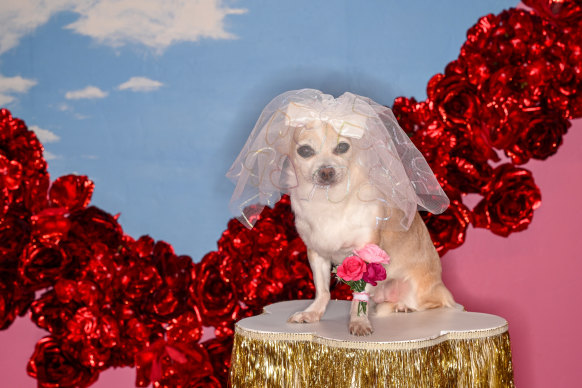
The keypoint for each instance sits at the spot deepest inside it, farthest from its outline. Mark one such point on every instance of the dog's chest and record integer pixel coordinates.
(335, 230)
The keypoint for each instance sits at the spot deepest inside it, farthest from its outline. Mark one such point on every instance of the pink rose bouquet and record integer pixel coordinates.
(364, 267)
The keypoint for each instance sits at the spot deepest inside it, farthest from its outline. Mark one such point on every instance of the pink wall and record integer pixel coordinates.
(532, 279)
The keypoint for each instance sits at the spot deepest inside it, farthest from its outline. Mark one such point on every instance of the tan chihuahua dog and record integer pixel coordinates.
(333, 221)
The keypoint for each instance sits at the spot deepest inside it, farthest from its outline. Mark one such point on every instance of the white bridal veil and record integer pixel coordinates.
(397, 171)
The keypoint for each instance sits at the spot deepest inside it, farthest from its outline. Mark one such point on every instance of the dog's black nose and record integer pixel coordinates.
(326, 174)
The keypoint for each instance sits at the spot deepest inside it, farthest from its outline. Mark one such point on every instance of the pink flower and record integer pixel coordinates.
(372, 253)
(352, 268)
(375, 272)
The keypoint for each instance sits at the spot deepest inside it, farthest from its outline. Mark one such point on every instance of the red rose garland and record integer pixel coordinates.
(108, 300)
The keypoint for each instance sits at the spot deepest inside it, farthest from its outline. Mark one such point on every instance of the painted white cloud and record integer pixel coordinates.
(140, 84)
(153, 23)
(19, 18)
(44, 135)
(90, 92)
(13, 85)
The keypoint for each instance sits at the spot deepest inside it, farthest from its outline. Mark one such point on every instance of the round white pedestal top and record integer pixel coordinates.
(396, 331)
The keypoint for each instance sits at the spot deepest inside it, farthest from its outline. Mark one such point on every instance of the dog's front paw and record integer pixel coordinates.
(361, 327)
(305, 317)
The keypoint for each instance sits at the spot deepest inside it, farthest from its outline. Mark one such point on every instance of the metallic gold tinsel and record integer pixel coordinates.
(272, 362)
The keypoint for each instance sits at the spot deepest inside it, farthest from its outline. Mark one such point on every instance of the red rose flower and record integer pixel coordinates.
(564, 13)
(171, 365)
(48, 313)
(95, 225)
(539, 136)
(468, 176)
(220, 357)
(139, 280)
(10, 173)
(508, 201)
(14, 235)
(340, 290)
(185, 329)
(213, 294)
(14, 298)
(455, 99)
(40, 266)
(50, 226)
(448, 229)
(71, 192)
(54, 368)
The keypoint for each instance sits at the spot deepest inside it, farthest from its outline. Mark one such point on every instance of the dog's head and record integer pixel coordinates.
(321, 156)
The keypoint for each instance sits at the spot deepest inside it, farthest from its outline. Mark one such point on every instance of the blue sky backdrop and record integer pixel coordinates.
(153, 100)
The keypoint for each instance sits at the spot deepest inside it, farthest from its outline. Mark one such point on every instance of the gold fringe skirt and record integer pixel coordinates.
(474, 358)
(479, 362)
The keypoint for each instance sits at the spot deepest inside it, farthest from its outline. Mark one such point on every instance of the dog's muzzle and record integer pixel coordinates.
(325, 175)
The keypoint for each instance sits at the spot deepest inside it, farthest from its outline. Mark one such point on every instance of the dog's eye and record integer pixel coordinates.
(341, 148)
(305, 151)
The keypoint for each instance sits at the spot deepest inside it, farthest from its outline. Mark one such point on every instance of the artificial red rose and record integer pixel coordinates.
(436, 142)
(14, 235)
(237, 241)
(171, 364)
(341, 291)
(562, 12)
(539, 137)
(455, 99)
(468, 176)
(95, 225)
(215, 296)
(9, 126)
(26, 149)
(108, 331)
(207, 382)
(139, 280)
(285, 217)
(508, 201)
(412, 116)
(10, 173)
(448, 229)
(502, 89)
(65, 290)
(40, 266)
(176, 271)
(144, 246)
(71, 192)
(351, 269)
(48, 313)
(166, 303)
(477, 35)
(50, 226)
(35, 192)
(14, 298)
(101, 267)
(83, 326)
(375, 272)
(54, 368)
(186, 328)
(220, 352)
(89, 294)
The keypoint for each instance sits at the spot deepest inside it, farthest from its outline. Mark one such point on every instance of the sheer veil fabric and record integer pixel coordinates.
(396, 175)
